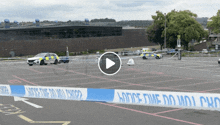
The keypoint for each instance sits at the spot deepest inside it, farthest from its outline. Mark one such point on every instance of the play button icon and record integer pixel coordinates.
(109, 63)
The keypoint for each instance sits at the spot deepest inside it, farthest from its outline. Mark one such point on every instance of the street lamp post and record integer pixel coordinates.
(165, 33)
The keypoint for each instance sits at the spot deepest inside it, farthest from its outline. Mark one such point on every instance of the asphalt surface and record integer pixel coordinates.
(191, 74)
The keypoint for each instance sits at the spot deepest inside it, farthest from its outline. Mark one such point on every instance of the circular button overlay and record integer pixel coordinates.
(109, 63)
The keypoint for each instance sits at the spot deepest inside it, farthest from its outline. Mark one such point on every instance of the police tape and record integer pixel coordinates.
(203, 101)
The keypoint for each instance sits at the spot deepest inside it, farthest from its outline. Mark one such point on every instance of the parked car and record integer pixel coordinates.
(43, 59)
(212, 50)
(171, 51)
(147, 55)
(205, 51)
(127, 52)
(64, 59)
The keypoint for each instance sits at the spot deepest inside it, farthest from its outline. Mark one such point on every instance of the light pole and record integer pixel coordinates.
(165, 32)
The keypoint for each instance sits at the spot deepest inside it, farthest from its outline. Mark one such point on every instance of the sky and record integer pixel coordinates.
(64, 10)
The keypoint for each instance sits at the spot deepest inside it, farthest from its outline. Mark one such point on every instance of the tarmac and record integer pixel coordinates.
(190, 74)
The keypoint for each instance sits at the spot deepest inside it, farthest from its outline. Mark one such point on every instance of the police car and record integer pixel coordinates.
(146, 55)
(43, 59)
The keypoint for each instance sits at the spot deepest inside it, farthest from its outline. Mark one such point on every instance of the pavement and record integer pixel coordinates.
(191, 74)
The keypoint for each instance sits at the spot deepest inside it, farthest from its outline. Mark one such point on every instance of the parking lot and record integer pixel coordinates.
(191, 74)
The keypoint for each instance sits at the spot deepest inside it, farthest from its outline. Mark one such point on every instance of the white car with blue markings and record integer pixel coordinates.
(43, 59)
(146, 55)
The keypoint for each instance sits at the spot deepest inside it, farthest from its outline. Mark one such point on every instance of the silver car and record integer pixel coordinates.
(43, 59)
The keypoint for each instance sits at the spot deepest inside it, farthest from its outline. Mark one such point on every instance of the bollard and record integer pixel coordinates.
(179, 54)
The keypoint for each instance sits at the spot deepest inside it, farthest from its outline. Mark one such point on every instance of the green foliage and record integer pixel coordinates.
(103, 20)
(177, 23)
(61, 53)
(183, 23)
(101, 51)
(84, 52)
(183, 54)
(191, 48)
(155, 30)
(80, 53)
(214, 25)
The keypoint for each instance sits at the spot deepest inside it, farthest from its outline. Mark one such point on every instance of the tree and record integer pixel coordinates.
(103, 20)
(183, 23)
(214, 25)
(178, 23)
(154, 34)
(155, 30)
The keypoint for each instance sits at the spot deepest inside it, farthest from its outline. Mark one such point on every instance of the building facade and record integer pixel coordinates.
(30, 41)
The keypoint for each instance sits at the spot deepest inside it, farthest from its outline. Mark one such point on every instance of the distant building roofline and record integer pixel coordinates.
(42, 27)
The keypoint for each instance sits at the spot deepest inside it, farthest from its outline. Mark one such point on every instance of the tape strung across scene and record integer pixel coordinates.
(204, 101)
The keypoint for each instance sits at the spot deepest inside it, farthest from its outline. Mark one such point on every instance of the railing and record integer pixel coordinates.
(200, 54)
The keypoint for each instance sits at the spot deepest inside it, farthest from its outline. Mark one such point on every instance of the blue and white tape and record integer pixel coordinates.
(206, 101)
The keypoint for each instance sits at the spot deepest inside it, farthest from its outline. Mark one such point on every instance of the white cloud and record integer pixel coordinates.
(64, 10)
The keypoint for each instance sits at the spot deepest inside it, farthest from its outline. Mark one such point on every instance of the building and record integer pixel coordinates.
(214, 38)
(57, 32)
(35, 39)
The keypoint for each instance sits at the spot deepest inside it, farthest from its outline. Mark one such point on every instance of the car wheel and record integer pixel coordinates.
(55, 62)
(30, 64)
(41, 62)
(67, 61)
(157, 57)
(144, 57)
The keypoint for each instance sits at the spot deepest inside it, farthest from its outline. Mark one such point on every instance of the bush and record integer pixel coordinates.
(72, 54)
(61, 53)
(101, 51)
(84, 52)
(183, 54)
(191, 48)
(78, 53)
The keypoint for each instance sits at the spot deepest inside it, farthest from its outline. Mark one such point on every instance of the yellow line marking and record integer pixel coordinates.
(26, 119)
(31, 121)
(9, 109)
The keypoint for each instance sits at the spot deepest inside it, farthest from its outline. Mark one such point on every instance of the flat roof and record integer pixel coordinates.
(132, 28)
(48, 27)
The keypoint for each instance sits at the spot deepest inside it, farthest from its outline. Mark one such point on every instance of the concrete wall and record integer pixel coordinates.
(129, 38)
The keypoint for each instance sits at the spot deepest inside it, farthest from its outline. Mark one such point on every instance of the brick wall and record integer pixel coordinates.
(129, 38)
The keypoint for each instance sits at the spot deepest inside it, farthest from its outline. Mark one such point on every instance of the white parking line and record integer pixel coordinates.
(202, 66)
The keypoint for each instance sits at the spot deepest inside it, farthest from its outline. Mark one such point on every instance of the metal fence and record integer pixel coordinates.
(200, 54)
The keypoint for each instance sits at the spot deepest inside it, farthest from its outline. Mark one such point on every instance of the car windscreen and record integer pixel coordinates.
(41, 55)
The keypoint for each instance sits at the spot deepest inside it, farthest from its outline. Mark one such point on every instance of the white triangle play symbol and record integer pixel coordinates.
(109, 63)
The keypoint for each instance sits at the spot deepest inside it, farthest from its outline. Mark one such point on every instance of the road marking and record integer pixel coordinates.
(14, 81)
(168, 111)
(202, 66)
(29, 103)
(189, 68)
(152, 114)
(25, 118)
(34, 70)
(24, 80)
(31, 121)
(9, 109)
